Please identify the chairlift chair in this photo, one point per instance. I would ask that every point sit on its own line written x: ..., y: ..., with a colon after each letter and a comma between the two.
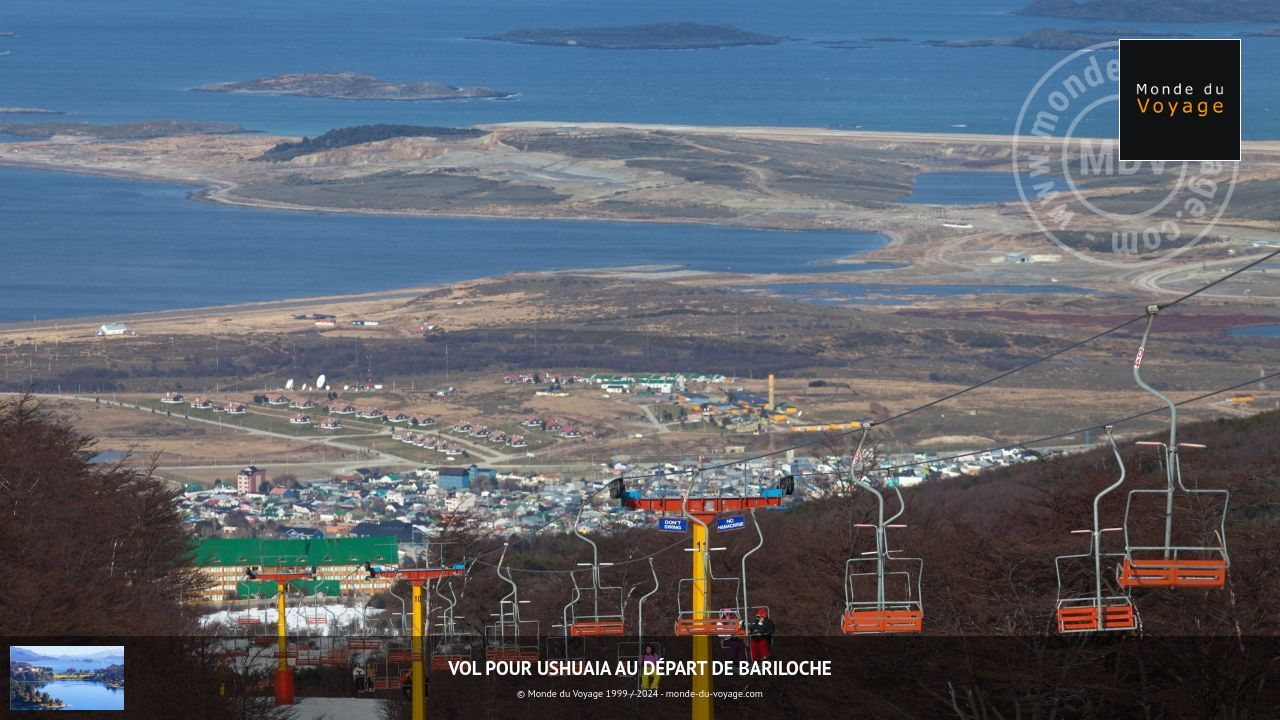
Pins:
x: 593, y: 616
x: 625, y: 648
x: 1098, y: 611
x: 504, y: 637
x: 317, y: 616
x: 1172, y: 562
x: 690, y: 622
x: 729, y: 620
x: 889, y: 612
x: 453, y: 646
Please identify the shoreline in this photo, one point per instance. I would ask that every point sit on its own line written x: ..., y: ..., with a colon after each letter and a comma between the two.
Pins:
x: 213, y: 193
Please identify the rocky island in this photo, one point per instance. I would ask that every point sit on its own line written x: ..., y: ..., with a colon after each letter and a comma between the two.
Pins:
x: 1040, y: 39
x: 662, y: 36
x: 1158, y: 10
x: 353, y: 86
x: 28, y: 111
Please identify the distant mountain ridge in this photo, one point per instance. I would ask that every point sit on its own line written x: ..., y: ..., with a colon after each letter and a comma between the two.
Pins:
x: 20, y: 654
x: 1158, y: 10
x: 657, y: 36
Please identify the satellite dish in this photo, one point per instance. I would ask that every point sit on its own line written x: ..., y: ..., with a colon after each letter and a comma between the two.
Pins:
x: 289, y: 385
x: 320, y: 380
x: 304, y: 387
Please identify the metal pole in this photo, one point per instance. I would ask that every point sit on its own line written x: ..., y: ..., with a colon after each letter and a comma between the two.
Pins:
x: 1097, y: 528
x: 284, y: 677
x: 419, y: 677
x: 1171, y: 451
x: 702, y: 709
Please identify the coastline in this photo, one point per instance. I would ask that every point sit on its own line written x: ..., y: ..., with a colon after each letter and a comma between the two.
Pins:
x: 214, y: 193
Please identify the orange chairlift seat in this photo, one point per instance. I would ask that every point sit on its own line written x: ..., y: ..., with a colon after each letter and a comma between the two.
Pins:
x: 897, y: 606
x: 400, y: 655
x: 1193, y: 557
x: 318, y: 615
x: 507, y: 638
x: 389, y: 682
x: 593, y: 615
x: 1102, y: 609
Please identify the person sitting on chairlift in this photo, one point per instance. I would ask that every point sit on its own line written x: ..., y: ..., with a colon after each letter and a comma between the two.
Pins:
x: 373, y: 571
x: 649, y: 680
x: 358, y: 679
x: 249, y: 573
x: 761, y: 632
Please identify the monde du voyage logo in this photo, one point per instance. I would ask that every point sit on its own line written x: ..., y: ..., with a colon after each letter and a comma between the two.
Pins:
x: 1162, y: 187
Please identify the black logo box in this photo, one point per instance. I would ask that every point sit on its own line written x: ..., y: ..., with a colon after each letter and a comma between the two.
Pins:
x: 1181, y: 65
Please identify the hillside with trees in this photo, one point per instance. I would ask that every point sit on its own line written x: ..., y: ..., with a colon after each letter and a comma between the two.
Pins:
x: 26, y: 687
x: 360, y: 134
x: 100, y: 552
x: 989, y: 647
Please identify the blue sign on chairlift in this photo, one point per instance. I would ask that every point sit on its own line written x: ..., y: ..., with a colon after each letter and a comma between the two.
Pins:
x: 737, y: 522
x: 667, y: 524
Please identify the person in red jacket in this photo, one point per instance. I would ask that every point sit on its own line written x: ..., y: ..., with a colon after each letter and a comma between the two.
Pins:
x: 761, y: 633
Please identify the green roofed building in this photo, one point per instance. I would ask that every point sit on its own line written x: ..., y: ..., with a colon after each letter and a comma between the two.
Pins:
x: 339, y: 564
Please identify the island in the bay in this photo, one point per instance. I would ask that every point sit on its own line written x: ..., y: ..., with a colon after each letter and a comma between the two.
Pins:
x: 1158, y: 10
x: 28, y: 111
x: 660, y: 36
x: 1038, y: 39
x: 353, y: 86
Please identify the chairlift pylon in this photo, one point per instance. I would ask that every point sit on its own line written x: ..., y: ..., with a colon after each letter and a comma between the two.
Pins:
x: 1097, y: 611
x: 1172, y: 563
x: 904, y: 611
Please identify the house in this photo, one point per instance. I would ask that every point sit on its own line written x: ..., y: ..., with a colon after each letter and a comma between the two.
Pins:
x: 250, y: 479
x: 172, y: 398
x: 402, y: 532
x: 454, y: 478
x: 113, y: 328
x: 299, y: 533
x: 463, y: 478
x: 747, y: 399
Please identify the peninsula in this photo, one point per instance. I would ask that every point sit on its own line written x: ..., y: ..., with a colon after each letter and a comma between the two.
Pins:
x: 662, y: 36
x: 353, y: 86
x: 122, y: 131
